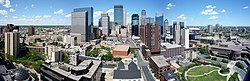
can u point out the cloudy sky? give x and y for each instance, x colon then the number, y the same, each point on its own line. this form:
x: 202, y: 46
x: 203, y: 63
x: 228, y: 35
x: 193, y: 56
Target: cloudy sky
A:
x: 192, y: 12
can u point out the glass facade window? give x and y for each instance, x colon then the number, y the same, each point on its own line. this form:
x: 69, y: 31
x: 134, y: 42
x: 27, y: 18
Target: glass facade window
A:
x: 118, y: 14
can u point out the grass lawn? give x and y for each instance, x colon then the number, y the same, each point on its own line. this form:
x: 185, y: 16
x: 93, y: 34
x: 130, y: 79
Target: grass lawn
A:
x: 214, y: 76
x: 201, y: 70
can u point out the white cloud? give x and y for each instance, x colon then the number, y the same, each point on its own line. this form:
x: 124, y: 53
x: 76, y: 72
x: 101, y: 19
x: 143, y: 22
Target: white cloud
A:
x: 182, y: 17
x: 69, y: 15
x: 38, y: 16
x: 46, y: 16
x: 245, y: 7
x: 223, y: 10
x: 110, y: 11
x: 32, y: 6
x: 14, y: 17
x: 7, y: 4
x: 210, y: 6
x: 97, y: 14
x: 3, y: 12
x: 1, y: 1
x: 61, y: 12
x: 213, y: 17
x: 209, y: 12
x: 170, y: 6
x: 12, y: 10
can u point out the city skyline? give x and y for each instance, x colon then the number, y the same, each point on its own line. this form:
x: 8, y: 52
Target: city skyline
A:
x: 193, y: 12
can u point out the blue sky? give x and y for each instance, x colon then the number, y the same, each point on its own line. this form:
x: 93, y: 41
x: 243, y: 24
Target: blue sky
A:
x: 192, y: 12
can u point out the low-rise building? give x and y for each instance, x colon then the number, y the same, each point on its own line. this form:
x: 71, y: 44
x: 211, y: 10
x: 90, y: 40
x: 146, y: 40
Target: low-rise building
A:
x: 171, y: 50
x: 159, y: 64
x: 120, y: 50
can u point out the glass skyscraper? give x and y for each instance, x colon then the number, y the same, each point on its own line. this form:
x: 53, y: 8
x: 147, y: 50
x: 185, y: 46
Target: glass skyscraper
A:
x: 118, y: 14
x: 135, y: 24
x: 159, y: 21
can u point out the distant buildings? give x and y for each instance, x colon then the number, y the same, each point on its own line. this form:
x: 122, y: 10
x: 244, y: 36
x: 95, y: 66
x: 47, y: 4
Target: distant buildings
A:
x: 209, y: 28
x: 177, y: 32
x: 149, y: 20
x: 180, y: 34
x: 105, y: 23
x: 159, y: 21
x: 87, y: 70
x: 31, y: 31
x: 12, y: 43
x: 166, y: 28
x: 143, y: 17
x: 124, y: 17
x: 150, y: 36
x: 127, y: 72
x: 118, y: 14
x: 135, y: 24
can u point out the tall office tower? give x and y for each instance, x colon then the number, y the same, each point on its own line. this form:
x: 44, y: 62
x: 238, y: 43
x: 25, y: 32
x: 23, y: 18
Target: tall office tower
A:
x: 135, y: 24
x: 150, y: 36
x: 12, y: 43
x: 166, y: 28
x: 182, y: 25
x: 79, y: 26
x: 177, y: 32
x: 209, y: 28
x: 149, y: 20
x: 218, y: 28
x: 112, y: 25
x: 185, y: 37
x: 124, y: 17
x: 105, y: 22
x: 31, y: 31
x: 159, y: 21
x: 118, y: 14
x: 143, y: 17
x: 90, y: 23
x: 1, y: 30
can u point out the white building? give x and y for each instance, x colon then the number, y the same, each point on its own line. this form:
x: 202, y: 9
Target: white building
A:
x: 12, y: 43
x: 68, y: 39
x: 105, y: 23
x: 185, y: 37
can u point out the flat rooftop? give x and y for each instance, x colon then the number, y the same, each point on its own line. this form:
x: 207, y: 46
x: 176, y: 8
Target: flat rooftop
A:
x: 92, y: 69
x: 159, y: 60
x: 169, y: 46
x: 121, y: 47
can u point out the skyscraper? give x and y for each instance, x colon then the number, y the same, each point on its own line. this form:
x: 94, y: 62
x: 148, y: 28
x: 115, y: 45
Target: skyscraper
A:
x: 143, y: 17
x: 124, y: 17
x: 12, y: 43
x: 159, y: 21
x: 90, y: 26
x: 118, y: 14
x: 177, y: 32
x: 149, y: 20
x: 166, y: 28
x: 185, y: 37
x: 135, y: 24
x: 105, y: 23
x: 150, y: 36
x: 79, y: 26
x: 31, y: 31
x: 209, y: 28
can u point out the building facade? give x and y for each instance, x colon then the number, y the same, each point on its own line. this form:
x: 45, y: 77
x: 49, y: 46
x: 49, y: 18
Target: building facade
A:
x: 143, y: 17
x: 105, y: 23
x: 159, y: 21
x: 31, y: 31
x: 118, y: 14
x: 176, y: 32
x: 185, y: 37
x: 135, y: 24
x: 79, y: 25
x: 166, y: 28
x: 12, y: 43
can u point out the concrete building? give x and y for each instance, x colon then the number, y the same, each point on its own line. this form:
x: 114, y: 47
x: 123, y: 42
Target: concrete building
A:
x: 150, y: 36
x: 79, y: 25
x: 159, y: 21
x: 118, y: 14
x: 70, y: 40
x: 87, y: 70
x: 12, y: 43
x: 209, y: 28
x: 166, y: 27
x: 177, y: 32
x: 158, y: 64
x: 127, y: 72
x: 31, y: 31
x: 135, y: 24
x: 168, y: 76
x: 143, y: 17
x: 185, y: 37
x: 105, y: 23
x: 171, y: 50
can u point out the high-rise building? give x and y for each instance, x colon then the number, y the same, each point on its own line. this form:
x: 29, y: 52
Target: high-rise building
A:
x: 90, y: 26
x: 177, y: 32
x: 150, y: 36
x: 79, y: 26
x: 185, y: 37
x: 1, y: 30
x: 149, y: 20
x: 182, y: 25
x: 143, y: 17
x: 12, y: 43
x: 118, y: 14
x: 31, y: 31
x: 105, y: 23
x: 209, y: 28
x: 159, y: 21
x: 135, y: 24
x: 166, y: 28
x: 124, y: 17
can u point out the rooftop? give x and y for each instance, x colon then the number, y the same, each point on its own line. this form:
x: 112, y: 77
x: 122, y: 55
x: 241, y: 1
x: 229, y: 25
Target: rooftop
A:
x: 169, y: 46
x: 121, y: 47
x: 169, y: 76
x: 160, y: 60
x: 132, y: 71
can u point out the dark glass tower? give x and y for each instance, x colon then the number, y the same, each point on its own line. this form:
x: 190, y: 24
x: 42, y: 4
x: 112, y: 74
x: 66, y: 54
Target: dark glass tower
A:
x: 135, y: 24
x: 118, y: 14
x: 159, y: 21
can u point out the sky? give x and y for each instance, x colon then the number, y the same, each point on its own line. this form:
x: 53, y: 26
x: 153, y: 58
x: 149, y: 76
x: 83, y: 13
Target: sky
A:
x: 192, y: 12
